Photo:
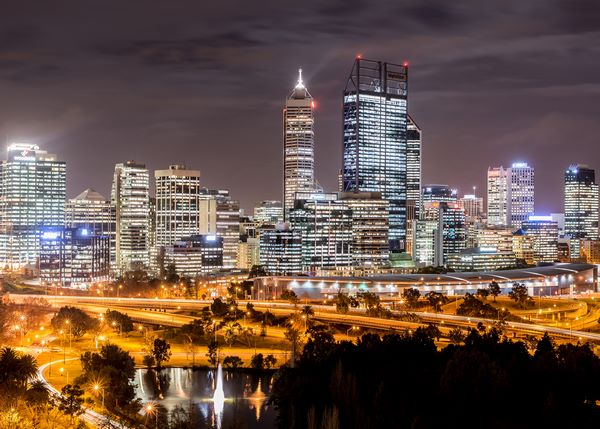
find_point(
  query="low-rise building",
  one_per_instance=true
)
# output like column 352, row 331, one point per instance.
column 195, row 255
column 481, row 259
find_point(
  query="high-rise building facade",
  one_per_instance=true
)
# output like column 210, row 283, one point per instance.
column 325, row 224
column 511, row 194
column 581, row 206
column 32, row 198
column 220, row 215
column 375, row 138
column 74, row 257
column 520, row 196
column 92, row 211
column 298, row 144
column 195, row 255
column 472, row 205
column 545, row 237
column 281, row 249
column 268, row 212
column 438, row 194
column 497, row 182
column 414, row 137
column 370, row 228
column 130, row 196
column 177, row 204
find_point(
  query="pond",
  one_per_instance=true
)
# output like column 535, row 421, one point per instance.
column 246, row 395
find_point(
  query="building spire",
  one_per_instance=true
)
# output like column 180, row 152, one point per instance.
column 300, row 83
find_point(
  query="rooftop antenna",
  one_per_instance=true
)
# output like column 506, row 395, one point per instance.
column 300, row 84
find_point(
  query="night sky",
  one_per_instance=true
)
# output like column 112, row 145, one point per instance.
column 203, row 83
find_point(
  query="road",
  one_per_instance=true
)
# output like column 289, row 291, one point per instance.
column 157, row 311
column 89, row 416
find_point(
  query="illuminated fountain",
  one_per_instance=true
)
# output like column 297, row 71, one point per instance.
column 219, row 397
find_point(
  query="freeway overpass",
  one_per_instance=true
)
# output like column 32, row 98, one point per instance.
column 161, row 312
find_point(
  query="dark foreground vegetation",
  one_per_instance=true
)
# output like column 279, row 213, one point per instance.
column 403, row 381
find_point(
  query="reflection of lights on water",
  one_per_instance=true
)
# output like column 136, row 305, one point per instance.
column 257, row 399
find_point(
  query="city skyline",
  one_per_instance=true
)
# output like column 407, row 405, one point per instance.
column 520, row 99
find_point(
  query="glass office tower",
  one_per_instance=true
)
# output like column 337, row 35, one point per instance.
column 581, row 205
column 32, row 198
column 374, row 135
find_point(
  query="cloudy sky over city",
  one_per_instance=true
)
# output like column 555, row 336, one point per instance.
column 204, row 84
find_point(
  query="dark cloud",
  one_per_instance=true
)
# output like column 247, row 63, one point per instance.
column 204, row 84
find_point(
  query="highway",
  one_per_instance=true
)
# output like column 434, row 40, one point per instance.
column 156, row 311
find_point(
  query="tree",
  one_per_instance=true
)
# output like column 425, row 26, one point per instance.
column 148, row 361
column 436, row 300
column 258, row 361
column 343, row 302
column 171, row 275
column 372, row 303
column 520, row 295
column 232, row 362
column 482, row 293
column 71, row 400
column 120, row 321
column 161, row 351
column 411, row 296
column 456, row 336
column 73, row 321
column 15, row 371
column 213, row 352
column 219, row 308
column 270, row 361
column 116, row 368
column 289, row 295
column 257, row 271
column 494, row 289
column 231, row 332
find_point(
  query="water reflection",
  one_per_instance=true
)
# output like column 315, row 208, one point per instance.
column 245, row 395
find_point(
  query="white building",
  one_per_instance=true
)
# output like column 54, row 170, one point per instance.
column 32, row 198
column 298, row 144
column 511, row 194
column 220, row 215
column 130, row 196
column 177, row 204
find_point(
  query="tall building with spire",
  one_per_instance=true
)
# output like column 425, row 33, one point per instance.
column 375, row 138
column 298, row 144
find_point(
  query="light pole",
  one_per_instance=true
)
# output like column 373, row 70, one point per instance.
column 98, row 387
column 152, row 410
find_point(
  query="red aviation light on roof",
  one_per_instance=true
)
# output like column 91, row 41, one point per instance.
column 313, row 104
column 359, row 56
column 405, row 63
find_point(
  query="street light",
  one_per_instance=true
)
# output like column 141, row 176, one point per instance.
column 151, row 409
column 98, row 387
column 352, row 328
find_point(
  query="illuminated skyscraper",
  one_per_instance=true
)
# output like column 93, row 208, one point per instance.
column 220, row 215
column 472, row 205
column 92, row 211
column 375, row 134
column 130, row 196
column 520, row 194
column 32, row 199
column 298, row 144
column 545, row 237
column 510, row 194
column 413, row 162
column 177, row 204
column 581, row 205
column 268, row 212
column 496, row 195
